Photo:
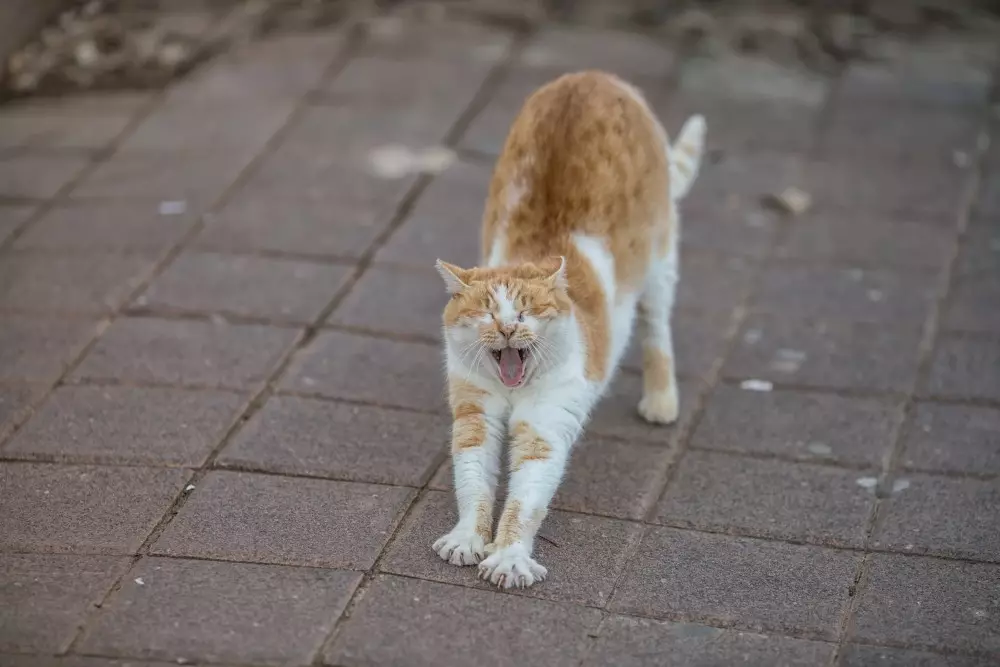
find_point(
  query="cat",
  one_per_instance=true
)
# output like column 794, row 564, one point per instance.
column 579, row 235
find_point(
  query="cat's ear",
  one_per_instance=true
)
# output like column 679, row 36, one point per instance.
column 558, row 267
column 453, row 276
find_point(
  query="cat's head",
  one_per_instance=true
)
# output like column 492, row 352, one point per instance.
column 509, row 321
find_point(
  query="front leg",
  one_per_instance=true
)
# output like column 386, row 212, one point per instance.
column 541, row 438
column 476, row 440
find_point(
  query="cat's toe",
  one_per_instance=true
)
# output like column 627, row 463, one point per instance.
column 659, row 408
column 461, row 547
column 511, row 567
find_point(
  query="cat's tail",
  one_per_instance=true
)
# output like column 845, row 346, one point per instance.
column 685, row 156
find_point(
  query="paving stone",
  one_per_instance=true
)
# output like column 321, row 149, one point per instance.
column 638, row 642
column 292, row 521
column 187, row 352
column 437, row 39
column 37, row 176
column 964, row 309
column 605, row 477
column 395, row 301
column 46, row 596
column 872, row 240
column 40, row 348
column 627, row 54
column 408, row 622
column 80, row 508
column 938, row 515
column 930, row 603
column 956, row 438
column 488, row 130
column 856, row 655
column 826, row 354
column 318, row 222
column 848, row 294
column 111, row 226
column 776, row 499
column 264, row 287
column 12, row 217
column 150, row 426
column 751, row 583
column 980, row 252
column 807, row 426
column 24, row 660
column 199, row 178
column 734, row 76
column 909, row 87
column 617, row 414
column 27, row 128
column 78, row 284
column 735, row 225
column 320, row 438
column 712, row 283
column 15, row 400
column 177, row 129
column 736, row 183
column 699, row 341
column 591, row 552
column 220, row 612
column 353, row 367
column 445, row 222
column 965, row 367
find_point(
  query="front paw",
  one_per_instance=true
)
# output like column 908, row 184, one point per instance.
column 461, row 547
column 659, row 408
column 511, row 566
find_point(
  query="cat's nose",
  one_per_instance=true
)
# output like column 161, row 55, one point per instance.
column 507, row 329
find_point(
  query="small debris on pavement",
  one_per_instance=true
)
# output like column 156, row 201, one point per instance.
column 867, row 482
column 756, row 385
column 791, row 201
column 173, row 207
column 140, row 581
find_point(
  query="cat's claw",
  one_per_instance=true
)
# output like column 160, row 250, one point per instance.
column 461, row 547
column 659, row 408
column 511, row 567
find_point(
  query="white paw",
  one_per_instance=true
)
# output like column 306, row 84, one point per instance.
column 511, row 566
column 659, row 408
column 461, row 547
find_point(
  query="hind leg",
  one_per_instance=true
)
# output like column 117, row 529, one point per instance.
column 659, row 402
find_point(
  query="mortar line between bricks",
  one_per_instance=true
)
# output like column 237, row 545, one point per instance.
column 925, row 351
column 336, row 64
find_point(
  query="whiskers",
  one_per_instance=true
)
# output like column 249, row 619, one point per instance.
column 543, row 351
column 476, row 349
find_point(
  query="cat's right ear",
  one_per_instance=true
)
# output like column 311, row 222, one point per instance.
column 453, row 276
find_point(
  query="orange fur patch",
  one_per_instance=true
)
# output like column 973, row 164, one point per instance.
column 509, row 527
column 469, row 427
column 656, row 369
column 527, row 445
column 484, row 520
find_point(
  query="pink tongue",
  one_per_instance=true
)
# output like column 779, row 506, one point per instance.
column 511, row 367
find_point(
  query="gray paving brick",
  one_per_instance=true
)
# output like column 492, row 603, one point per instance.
column 99, row 284
column 82, row 508
column 320, row 438
column 737, row 76
column 808, row 426
column 965, row 367
column 488, row 130
column 736, row 183
column 930, row 603
column 187, row 352
column 38, row 176
column 826, row 354
column 395, row 301
column 638, row 642
column 39, row 347
column 15, row 400
column 292, row 521
column 387, row 372
column 46, row 597
column 12, row 217
column 35, row 127
column 776, row 499
column 24, row 660
column 713, row 283
column 751, row 583
column 957, row 438
column 111, row 226
column 964, row 309
column 275, row 289
column 626, row 54
column 699, row 341
column 846, row 294
column 941, row 515
column 176, row 128
column 617, row 414
column 855, row 655
column 150, row 426
column 174, row 609
column 913, row 86
column 407, row 622
column 735, row 225
column 591, row 552
column 440, row 38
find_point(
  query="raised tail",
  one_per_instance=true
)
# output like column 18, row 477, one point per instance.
column 685, row 156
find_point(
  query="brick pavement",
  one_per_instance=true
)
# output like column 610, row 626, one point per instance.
column 222, row 435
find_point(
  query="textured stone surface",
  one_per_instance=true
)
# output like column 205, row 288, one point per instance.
column 617, row 414
column 862, row 656
column 269, row 519
column 768, row 498
column 134, row 425
column 41, row 347
column 954, row 438
column 395, row 301
column 407, row 622
column 965, row 367
column 930, row 603
column 324, row 439
column 81, row 508
column 46, row 596
column 584, row 554
column 37, row 176
column 220, row 612
column 15, row 399
column 765, row 586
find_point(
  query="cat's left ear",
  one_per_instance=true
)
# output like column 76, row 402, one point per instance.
column 558, row 277
column 453, row 276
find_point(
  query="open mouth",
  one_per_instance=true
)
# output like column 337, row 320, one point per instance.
column 511, row 363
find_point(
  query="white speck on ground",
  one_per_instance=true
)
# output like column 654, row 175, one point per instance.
column 900, row 485
column 867, row 482
column 173, row 207
column 756, row 385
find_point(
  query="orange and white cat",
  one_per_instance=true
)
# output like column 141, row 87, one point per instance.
column 580, row 233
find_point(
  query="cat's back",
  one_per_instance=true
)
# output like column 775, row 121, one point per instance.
column 584, row 156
